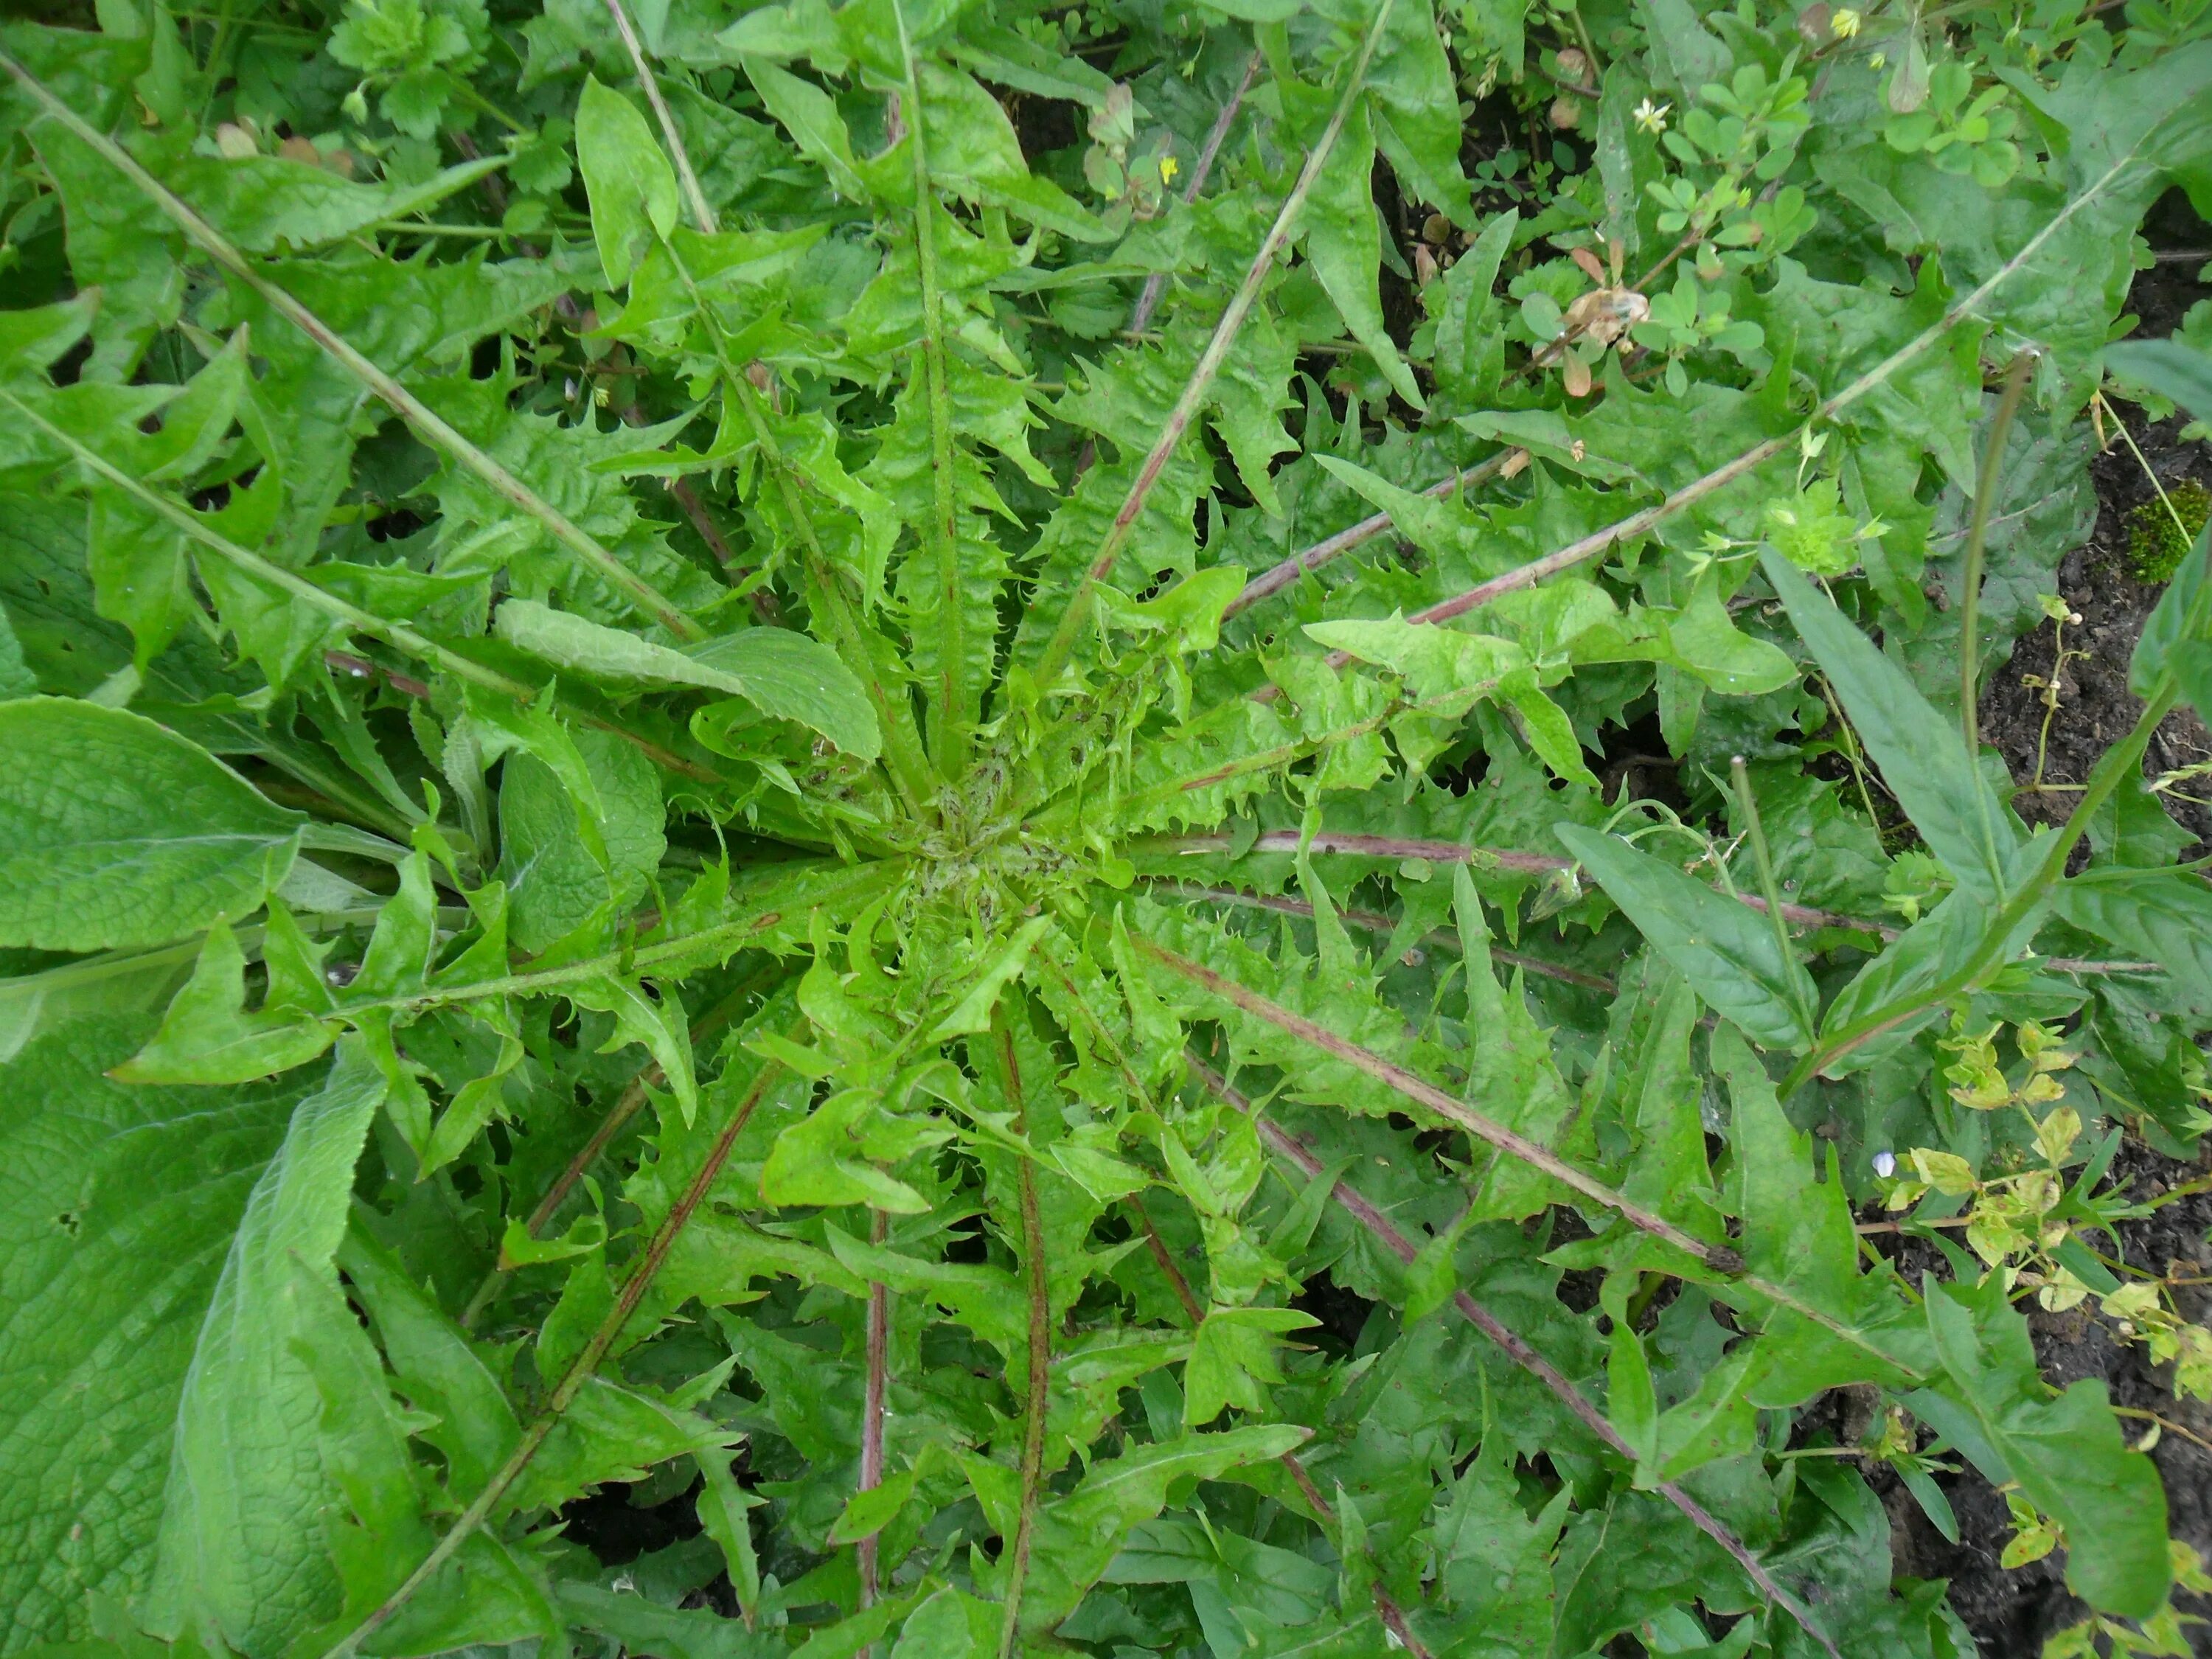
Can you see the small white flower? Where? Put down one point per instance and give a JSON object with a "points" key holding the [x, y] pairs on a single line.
{"points": [[1651, 117], [1885, 1164]]}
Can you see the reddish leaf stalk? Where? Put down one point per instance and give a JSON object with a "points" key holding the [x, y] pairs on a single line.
{"points": [[1040, 1352], [1481, 858], [1374, 921], [1155, 285], [433, 428], [624, 1109], [1386, 1606], [1500, 858], [1059, 647], [580, 1372], [872, 1407], [1718, 1259], [1293, 1150], [1637, 524], [1276, 578]]}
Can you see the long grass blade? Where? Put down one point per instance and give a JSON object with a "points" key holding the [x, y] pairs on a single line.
{"points": [[432, 427]]}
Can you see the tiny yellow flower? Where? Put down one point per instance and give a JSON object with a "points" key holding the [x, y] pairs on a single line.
{"points": [[1844, 23], [1169, 168], [1880, 60], [1651, 117]]}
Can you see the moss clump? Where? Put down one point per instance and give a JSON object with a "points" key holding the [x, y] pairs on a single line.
{"points": [[2155, 546]]}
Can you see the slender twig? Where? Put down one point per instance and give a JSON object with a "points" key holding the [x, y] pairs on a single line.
{"points": [[1279, 576], [1076, 614], [872, 1407], [1479, 857], [624, 1109], [1970, 581], [1719, 1259], [581, 1371], [1770, 888], [1637, 524], [2150, 474], [1155, 285], [1867, 1227], [398, 635], [701, 213], [1378, 1226], [1386, 1605], [2167, 1424], [1040, 1348], [433, 428], [1374, 922]]}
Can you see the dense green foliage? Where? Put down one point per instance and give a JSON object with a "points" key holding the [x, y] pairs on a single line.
{"points": [[668, 817]]}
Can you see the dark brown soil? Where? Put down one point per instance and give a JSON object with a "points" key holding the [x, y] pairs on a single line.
{"points": [[2095, 708], [2011, 1613]]}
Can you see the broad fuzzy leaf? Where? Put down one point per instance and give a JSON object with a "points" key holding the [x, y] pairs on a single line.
{"points": [[117, 833]]}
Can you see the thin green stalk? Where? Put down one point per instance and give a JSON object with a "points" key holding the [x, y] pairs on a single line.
{"points": [[1747, 804], [2121, 761], [580, 1371], [1278, 576], [1637, 524], [1136, 807], [182, 953], [1040, 1346], [903, 753], [426, 422], [902, 750], [1970, 597], [872, 1409], [1373, 923], [723, 938], [958, 702], [701, 213], [1074, 619], [1718, 1259], [398, 635], [2118, 762], [1715, 1257], [2150, 475], [462, 88], [395, 635]]}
